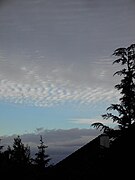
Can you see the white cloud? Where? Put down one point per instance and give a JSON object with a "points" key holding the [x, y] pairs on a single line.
{"points": [[47, 93], [89, 121], [83, 121], [30, 85]]}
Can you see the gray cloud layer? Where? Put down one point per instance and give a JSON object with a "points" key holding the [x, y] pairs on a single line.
{"points": [[61, 46], [61, 143]]}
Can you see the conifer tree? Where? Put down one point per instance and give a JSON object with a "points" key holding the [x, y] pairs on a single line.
{"points": [[1, 147], [1, 154], [20, 154], [125, 116], [42, 159]]}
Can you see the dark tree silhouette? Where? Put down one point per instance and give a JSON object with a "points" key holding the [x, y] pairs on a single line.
{"points": [[20, 154], [1, 147], [1, 154], [125, 115], [16, 162], [42, 159]]}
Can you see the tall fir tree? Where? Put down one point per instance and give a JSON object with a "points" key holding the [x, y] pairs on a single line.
{"points": [[19, 154], [1, 154], [42, 159], [126, 108]]}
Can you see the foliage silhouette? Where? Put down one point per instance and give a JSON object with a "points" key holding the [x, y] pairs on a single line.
{"points": [[19, 154], [1, 147], [16, 161], [42, 159], [126, 108]]}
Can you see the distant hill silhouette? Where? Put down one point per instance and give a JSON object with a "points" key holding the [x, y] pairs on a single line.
{"points": [[95, 161]]}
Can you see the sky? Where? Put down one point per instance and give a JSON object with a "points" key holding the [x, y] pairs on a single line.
{"points": [[56, 72]]}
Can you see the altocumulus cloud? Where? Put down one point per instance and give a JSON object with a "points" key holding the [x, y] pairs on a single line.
{"points": [[55, 51], [60, 142], [31, 86], [46, 93]]}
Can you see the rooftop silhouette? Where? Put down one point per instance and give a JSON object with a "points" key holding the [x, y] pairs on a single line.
{"points": [[96, 161]]}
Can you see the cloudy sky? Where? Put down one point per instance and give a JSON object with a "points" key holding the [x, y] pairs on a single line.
{"points": [[56, 69]]}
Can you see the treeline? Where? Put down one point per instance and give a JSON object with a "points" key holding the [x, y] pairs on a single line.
{"points": [[16, 161]]}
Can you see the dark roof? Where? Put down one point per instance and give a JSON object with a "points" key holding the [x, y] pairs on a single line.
{"points": [[82, 155], [80, 162], [91, 161]]}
